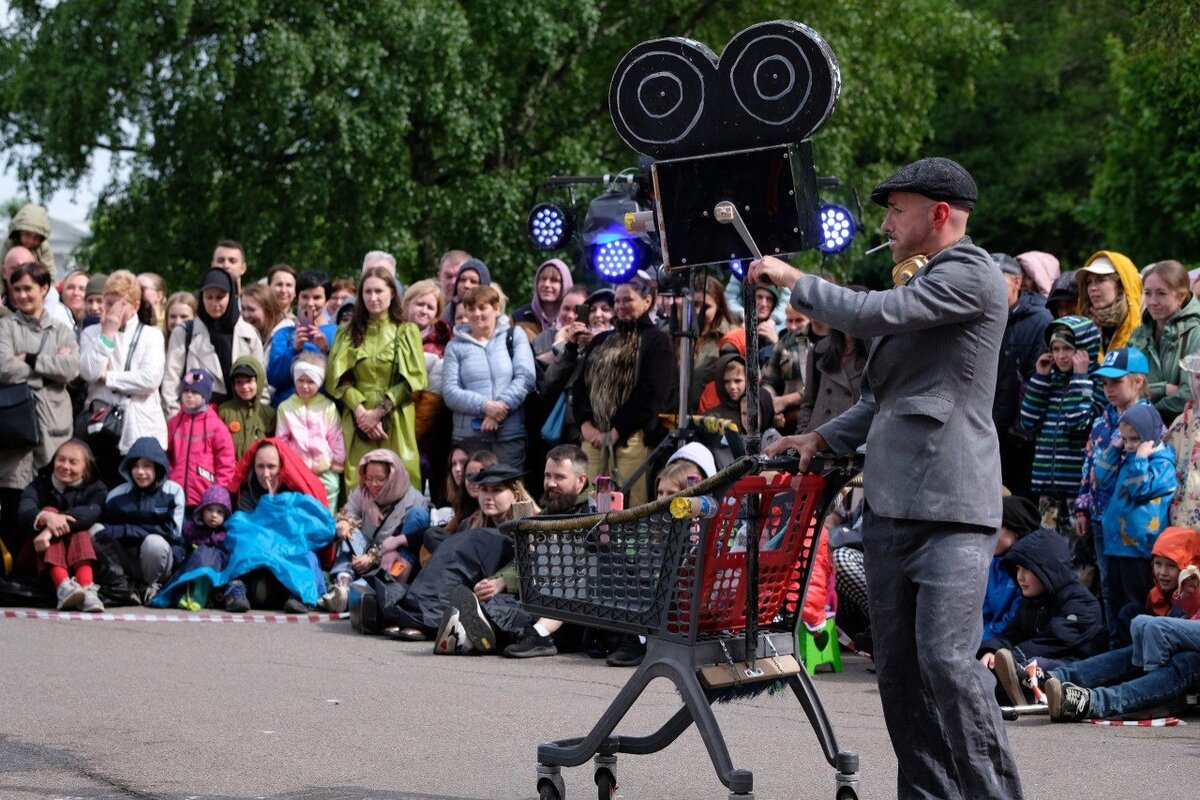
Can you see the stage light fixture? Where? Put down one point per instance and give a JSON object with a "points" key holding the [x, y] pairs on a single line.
{"points": [[550, 226], [617, 259], [837, 228], [738, 267]]}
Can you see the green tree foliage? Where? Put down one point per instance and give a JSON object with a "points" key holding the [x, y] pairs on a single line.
{"points": [[1146, 196], [313, 132], [1034, 129]]}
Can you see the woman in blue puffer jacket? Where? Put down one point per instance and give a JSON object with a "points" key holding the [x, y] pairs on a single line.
{"points": [[487, 371]]}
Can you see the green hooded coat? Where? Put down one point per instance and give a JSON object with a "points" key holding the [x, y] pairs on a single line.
{"points": [[248, 421]]}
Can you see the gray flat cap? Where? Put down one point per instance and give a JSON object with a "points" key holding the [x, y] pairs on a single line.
{"points": [[1007, 264], [935, 178]]}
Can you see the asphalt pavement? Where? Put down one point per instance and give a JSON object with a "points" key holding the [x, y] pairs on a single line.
{"points": [[313, 711]]}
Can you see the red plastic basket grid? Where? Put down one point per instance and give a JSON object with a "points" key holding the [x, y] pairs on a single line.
{"points": [[787, 538]]}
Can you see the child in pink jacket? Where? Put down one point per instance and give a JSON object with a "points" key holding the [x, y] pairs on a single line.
{"points": [[200, 447], [309, 422]]}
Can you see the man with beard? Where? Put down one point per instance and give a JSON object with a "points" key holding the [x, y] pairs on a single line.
{"points": [[564, 491]]}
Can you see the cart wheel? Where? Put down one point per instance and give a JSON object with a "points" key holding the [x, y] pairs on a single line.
{"points": [[547, 792], [846, 793], [606, 785]]}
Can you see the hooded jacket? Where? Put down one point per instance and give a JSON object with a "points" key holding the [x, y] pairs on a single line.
{"points": [[247, 421], [34, 219], [1059, 408], [157, 509], [1064, 621], [1106, 431], [1182, 546], [1131, 283], [136, 388], [1142, 488], [293, 476], [201, 452], [202, 353], [474, 371], [1180, 337], [195, 532], [534, 314], [1042, 269]]}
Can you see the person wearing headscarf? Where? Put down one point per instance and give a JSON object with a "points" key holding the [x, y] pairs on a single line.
{"points": [[551, 283], [381, 525], [213, 341]]}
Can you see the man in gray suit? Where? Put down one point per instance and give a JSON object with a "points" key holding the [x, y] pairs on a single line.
{"points": [[931, 477]]}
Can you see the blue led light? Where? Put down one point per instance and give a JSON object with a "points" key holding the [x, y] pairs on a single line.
{"points": [[837, 229], [738, 268], [616, 260]]}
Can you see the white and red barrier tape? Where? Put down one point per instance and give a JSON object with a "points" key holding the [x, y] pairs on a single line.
{"points": [[199, 617], [1160, 722]]}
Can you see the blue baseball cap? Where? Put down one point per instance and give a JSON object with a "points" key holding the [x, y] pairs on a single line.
{"points": [[1122, 361]]}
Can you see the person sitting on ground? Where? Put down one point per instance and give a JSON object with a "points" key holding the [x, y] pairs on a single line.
{"points": [[1139, 472], [205, 535], [564, 491], [281, 519], [475, 552], [308, 421], [143, 521], [201, 449], [1058, 620], [1159, 668], [59, 509], [380, 527], [1174, 550], [245, 414], [1002, 599]]}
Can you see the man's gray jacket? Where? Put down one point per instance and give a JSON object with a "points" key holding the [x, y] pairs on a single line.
{"points": [[926, 408]]}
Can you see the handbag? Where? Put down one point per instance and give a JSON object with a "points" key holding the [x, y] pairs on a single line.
{"points": [[101, 424], [19, 427], [552, 428]]}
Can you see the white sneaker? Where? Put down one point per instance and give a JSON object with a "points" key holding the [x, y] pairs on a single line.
{"points": [[452, 636], [70, 595], [91, 599]]}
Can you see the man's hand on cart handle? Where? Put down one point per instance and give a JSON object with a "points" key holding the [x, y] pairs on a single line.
{"points": [[805, 445], [770, 270]]}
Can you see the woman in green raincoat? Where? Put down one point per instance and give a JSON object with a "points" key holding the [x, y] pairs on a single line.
{"points": [[375, 364]]}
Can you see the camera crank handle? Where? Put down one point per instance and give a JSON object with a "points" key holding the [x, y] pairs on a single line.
{"points": [[726, 213]]}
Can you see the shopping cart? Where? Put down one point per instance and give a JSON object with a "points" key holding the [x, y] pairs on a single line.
{"points": [[688, 586]]}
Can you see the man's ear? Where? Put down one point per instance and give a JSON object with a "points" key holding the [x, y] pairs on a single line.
{"points": [[939, 214]]}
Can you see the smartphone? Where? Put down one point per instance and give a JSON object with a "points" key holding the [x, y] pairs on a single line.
{"points": [[581, 311]]}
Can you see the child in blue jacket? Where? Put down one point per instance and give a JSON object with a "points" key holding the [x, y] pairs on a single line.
{"points": [[1061, 400], [1139, 472], [1000, 602], [144, 518]]}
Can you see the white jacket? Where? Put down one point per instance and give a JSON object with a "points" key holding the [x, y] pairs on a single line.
{"points": [[202, 355], [136, 388]]}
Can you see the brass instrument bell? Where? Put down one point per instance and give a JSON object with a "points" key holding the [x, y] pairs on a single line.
{"points": [[903, 272]]}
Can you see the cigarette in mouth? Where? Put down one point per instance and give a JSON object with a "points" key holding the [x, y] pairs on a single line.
{"points": [[879, 247]]}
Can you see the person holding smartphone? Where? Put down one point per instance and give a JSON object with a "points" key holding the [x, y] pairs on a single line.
{"points": [[306, 333]]}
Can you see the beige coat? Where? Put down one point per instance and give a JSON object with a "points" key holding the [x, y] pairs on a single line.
{"points": [[202, 355], [57, 364]]}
